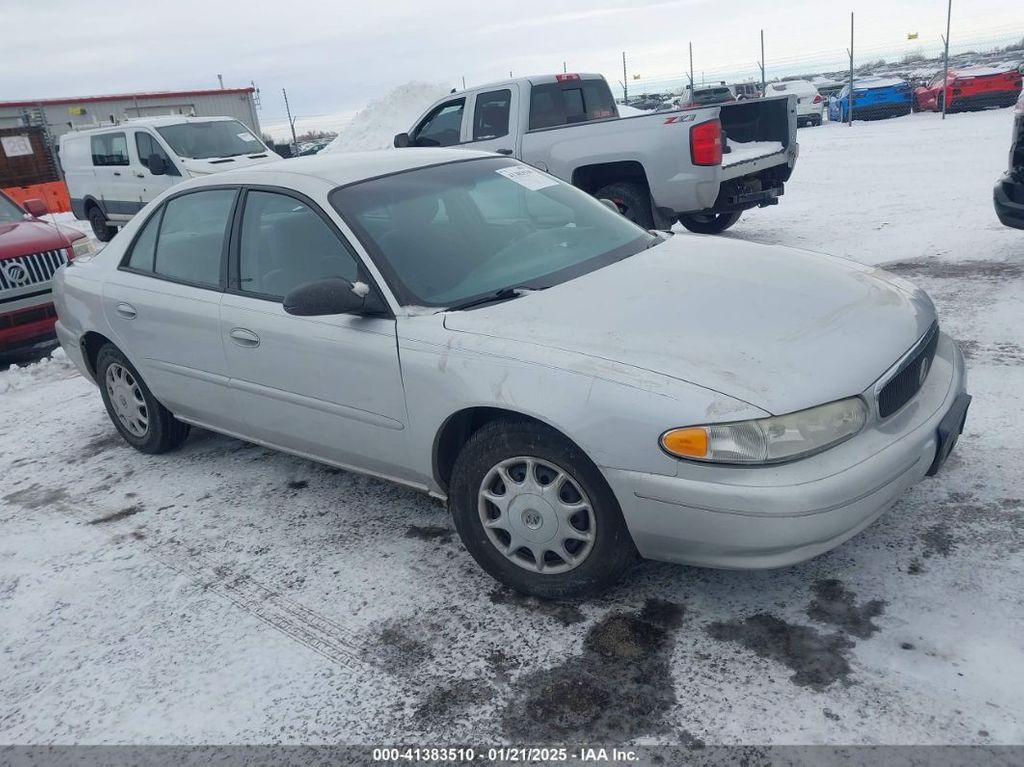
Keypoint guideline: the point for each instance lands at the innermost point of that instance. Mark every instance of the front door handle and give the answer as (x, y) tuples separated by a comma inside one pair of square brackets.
[(117, 173), (244, 337), (504, 151), (126, 310)]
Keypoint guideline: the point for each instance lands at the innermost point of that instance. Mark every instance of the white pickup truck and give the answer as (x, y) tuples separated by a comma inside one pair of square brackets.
[(702, 166)]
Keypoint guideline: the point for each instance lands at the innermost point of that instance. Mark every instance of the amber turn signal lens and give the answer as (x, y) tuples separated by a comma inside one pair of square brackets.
[(686, 443)]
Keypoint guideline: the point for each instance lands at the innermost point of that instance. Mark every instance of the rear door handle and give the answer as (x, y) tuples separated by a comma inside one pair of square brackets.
[(126, 310), (244, 337), (117, 173), (504, 151)]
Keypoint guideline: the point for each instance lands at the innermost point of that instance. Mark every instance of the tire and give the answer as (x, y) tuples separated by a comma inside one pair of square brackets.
[(710, 223), (103, 231), (125, 393), (632, 199), (574, 567)]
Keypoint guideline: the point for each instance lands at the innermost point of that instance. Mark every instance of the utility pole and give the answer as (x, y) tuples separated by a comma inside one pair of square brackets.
[(945, 40), (625, 80), (691, 71), (764, 84), (564, 69), (220, 79), (463, 82), (291, 123), (850, 51)]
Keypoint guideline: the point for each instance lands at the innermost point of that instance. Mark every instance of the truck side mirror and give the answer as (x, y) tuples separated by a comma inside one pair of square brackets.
[(402, 140), (35, 207), (157, 164)]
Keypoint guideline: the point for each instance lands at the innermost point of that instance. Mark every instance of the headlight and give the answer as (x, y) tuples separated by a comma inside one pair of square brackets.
[(82, 247), (769, 440)]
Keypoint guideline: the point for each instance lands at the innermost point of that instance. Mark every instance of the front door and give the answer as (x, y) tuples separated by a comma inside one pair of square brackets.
[(326, 387), (150, 186), (163, 304)]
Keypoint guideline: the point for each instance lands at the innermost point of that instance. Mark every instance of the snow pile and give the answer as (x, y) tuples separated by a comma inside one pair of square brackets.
[(375, 126), (628, 111), (57, 365)]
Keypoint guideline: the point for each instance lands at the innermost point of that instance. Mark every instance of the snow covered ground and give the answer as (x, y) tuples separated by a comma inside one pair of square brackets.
[(225, 593)]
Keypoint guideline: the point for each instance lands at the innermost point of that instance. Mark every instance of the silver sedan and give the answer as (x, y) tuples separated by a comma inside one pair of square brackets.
[(579, 390)]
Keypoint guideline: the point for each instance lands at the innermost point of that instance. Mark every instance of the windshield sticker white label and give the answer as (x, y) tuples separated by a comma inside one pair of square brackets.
[(246, 137), (16, 146), (527, 177)]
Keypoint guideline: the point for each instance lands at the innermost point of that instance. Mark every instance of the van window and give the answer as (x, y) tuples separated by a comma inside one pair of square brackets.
[(572, 101), (443, 126), (109, 149), (147, 145), (490, 116)]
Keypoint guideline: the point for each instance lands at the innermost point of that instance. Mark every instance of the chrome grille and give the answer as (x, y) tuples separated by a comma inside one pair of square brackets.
[(33, 269), (910, 376)]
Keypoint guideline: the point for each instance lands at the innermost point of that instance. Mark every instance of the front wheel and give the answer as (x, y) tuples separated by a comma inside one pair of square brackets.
[(633, 201), (709, 223), (536, 513), (103, 231), (144, 423)]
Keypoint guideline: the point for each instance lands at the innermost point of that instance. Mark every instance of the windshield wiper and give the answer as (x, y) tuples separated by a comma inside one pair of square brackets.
[(505, 294)]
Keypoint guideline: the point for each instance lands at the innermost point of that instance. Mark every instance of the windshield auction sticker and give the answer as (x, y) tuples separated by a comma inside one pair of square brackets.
[(527, 177)]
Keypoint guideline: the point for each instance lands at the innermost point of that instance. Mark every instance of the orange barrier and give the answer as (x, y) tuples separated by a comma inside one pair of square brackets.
[(54, 194)]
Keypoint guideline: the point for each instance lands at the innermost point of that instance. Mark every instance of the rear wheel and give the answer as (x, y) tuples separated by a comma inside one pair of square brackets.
[(103, 231), (632, 199), (144, 423), (536, 513), (709, 223)]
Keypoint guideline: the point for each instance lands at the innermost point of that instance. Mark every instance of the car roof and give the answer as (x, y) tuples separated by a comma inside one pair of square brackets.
[(340, 168)]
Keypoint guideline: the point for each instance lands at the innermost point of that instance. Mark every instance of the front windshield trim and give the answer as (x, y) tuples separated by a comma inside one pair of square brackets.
[(407, 298)]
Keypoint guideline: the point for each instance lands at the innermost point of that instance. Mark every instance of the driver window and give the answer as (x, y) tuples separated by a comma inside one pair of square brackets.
[(442, 127), (285, 243)]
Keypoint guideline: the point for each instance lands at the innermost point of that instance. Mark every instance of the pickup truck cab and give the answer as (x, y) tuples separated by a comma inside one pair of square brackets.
[(31, 251), (113, 171), (701, 166)]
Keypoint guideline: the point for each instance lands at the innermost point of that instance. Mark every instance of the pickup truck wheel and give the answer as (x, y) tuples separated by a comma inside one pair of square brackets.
[(709, 223), (633, 201), (144, 423), (103, 231), (536, 513)]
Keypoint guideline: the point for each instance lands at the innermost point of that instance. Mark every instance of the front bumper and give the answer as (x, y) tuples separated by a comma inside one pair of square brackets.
[(773, 516), (1008, 198)]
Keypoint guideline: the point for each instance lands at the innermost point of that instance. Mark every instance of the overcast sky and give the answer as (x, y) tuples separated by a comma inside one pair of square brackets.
[(334, 56)]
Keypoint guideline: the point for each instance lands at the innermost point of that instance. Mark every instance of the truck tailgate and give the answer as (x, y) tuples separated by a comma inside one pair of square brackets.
[(758, 134)]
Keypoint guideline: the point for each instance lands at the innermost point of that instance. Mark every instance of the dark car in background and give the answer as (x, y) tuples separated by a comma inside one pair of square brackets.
[(1009, 191)]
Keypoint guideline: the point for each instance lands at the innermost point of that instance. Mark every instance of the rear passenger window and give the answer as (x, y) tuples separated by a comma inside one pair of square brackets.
[(109, 149), (571, 101), (490, 115), (144, 249)]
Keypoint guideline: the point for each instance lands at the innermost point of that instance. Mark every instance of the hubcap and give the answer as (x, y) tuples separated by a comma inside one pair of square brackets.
[(536, 515), (127, 401)]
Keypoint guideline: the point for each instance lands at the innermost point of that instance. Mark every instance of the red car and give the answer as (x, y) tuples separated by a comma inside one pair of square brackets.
[(31, 250), (971, 88)]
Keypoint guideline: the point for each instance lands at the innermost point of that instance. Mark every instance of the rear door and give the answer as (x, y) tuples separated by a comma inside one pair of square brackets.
[(116, 182), (326, 387), (163, 303), (490, 121)]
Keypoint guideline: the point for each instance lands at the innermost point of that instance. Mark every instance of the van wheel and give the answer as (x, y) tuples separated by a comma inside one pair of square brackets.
[(144, 423), (709, 223), (103, 231), (536, 513), (633, 201)]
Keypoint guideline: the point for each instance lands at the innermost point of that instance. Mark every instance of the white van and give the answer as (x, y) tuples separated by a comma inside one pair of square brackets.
[(113, 171), (809, 104)]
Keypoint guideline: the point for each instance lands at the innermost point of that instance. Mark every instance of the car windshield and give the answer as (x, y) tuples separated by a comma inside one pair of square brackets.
[(9, 211), (216, 138), (448, 234)]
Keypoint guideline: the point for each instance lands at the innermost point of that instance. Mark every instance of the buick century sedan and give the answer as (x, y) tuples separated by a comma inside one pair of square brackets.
[(578, 389)]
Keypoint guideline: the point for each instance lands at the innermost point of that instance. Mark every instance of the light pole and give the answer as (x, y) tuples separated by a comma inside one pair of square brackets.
[(945, 74)]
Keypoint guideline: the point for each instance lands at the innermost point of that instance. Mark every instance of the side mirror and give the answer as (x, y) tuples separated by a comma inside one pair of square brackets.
[(35, 207), (331, 295), (402, 140), (157, 164)]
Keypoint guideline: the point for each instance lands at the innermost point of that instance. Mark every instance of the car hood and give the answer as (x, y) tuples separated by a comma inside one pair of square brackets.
[(778, 328), (220, 164), (20, 238)]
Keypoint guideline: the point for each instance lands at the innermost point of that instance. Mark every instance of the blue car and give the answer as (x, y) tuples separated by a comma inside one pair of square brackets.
[(873, 99)]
